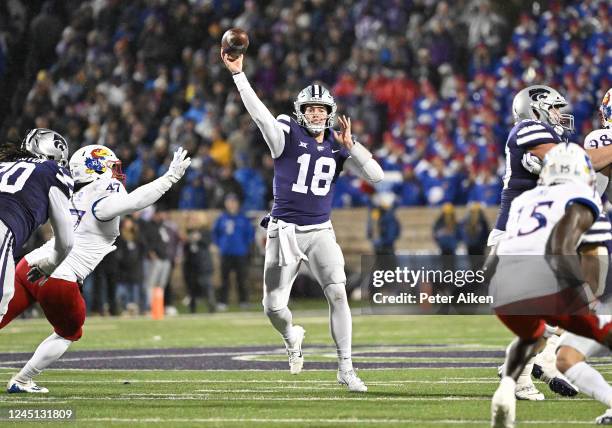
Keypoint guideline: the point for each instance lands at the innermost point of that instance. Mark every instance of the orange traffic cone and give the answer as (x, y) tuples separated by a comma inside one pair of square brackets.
[(157, 304)]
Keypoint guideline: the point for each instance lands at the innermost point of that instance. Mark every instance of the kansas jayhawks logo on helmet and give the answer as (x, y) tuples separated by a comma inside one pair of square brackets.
[(93, 162)]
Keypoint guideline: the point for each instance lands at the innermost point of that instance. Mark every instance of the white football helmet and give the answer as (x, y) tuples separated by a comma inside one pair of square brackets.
[(315, 95), (605, 109), (93, 162), (567, 162), (46, 144), (535, 102)]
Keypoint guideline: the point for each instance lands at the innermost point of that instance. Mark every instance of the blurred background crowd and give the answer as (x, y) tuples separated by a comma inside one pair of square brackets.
[(429, 86)]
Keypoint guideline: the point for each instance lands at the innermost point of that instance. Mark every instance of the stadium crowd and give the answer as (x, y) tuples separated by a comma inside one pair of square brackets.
[(429, 85)]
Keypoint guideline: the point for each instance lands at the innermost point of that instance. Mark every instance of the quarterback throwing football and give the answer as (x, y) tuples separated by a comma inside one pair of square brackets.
[(308, 157)]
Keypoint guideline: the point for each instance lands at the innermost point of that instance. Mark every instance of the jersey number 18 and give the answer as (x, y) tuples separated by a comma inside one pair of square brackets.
[(319, 177)]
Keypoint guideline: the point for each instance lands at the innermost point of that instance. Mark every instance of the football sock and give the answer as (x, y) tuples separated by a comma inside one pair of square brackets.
[(340, 324), (49, 351), (549, 331), (282, 322), (591, 382), (525, 377)]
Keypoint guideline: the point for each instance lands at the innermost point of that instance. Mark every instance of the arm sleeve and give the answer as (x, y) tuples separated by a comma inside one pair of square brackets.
[(59, 216), (361, 163), (121, 203), (273, 131)]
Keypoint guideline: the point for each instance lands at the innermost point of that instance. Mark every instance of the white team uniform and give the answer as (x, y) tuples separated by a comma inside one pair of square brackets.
[(597, 139), (93, 238), (588, 347), (533, 215)]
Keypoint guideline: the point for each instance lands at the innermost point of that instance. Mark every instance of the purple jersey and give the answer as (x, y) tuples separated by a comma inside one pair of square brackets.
[(24, 194), (523, 136), (305, 175)]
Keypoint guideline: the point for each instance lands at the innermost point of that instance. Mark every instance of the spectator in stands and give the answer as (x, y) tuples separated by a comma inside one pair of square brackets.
[(105, 278), (475, 230), (130, 74), (226, 185), (130, 290), (233, 234), (157, 266), (197, 264), (446, 230), (383, 226)]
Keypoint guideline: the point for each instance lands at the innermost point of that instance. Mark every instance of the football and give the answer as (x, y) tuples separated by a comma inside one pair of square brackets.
[(235, 42)]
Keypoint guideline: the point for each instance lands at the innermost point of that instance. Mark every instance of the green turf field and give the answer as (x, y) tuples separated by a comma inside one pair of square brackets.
[(420, 397)]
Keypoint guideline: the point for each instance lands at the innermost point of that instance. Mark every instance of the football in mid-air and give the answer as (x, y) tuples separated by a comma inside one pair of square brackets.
[(235, 42)]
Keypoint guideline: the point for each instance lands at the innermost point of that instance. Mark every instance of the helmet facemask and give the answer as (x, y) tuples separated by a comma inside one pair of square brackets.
[(605, 110), (94, 162), (315, 95), (545, 104), (552, 114)]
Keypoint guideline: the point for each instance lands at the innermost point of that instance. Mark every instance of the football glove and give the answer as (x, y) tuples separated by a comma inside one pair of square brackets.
[(41, 268), (532, 163), (178, 166)]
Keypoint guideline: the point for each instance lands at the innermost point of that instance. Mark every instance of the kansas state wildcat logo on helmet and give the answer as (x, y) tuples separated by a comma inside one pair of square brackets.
[(537, 102), (47, 144)]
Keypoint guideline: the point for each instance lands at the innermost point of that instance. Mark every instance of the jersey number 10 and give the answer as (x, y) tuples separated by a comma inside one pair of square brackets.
[(319, 176)]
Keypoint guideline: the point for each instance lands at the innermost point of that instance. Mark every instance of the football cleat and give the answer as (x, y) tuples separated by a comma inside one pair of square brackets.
[(351, 380), (525, 389), (503, 404), (605, 419), (545, 369), (296, 358), (16, 387), (528, 391)]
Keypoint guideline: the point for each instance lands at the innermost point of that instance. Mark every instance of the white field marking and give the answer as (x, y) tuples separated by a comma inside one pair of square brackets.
[(237, 354), (370, 369), (352, 421), (278, 382), (209, 397)]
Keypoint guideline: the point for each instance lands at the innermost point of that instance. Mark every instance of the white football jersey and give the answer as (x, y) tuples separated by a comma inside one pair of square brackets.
[(596, 139), (93, 238), (534, 214)]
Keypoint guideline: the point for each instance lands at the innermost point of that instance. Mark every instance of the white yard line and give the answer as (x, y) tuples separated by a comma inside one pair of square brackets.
[(327, 421)]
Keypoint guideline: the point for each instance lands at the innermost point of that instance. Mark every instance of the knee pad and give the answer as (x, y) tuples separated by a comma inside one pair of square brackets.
[(335, 293), (274, 301)]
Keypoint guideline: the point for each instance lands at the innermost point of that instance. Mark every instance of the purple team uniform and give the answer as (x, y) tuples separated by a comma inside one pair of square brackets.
[(24, 194), (524, 135), (305, 175)]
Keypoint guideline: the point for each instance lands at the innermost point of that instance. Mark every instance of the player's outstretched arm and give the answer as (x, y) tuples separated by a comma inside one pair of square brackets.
[(59, 216), (361, 161), (601, 157), (118, 204), (270, 128)]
